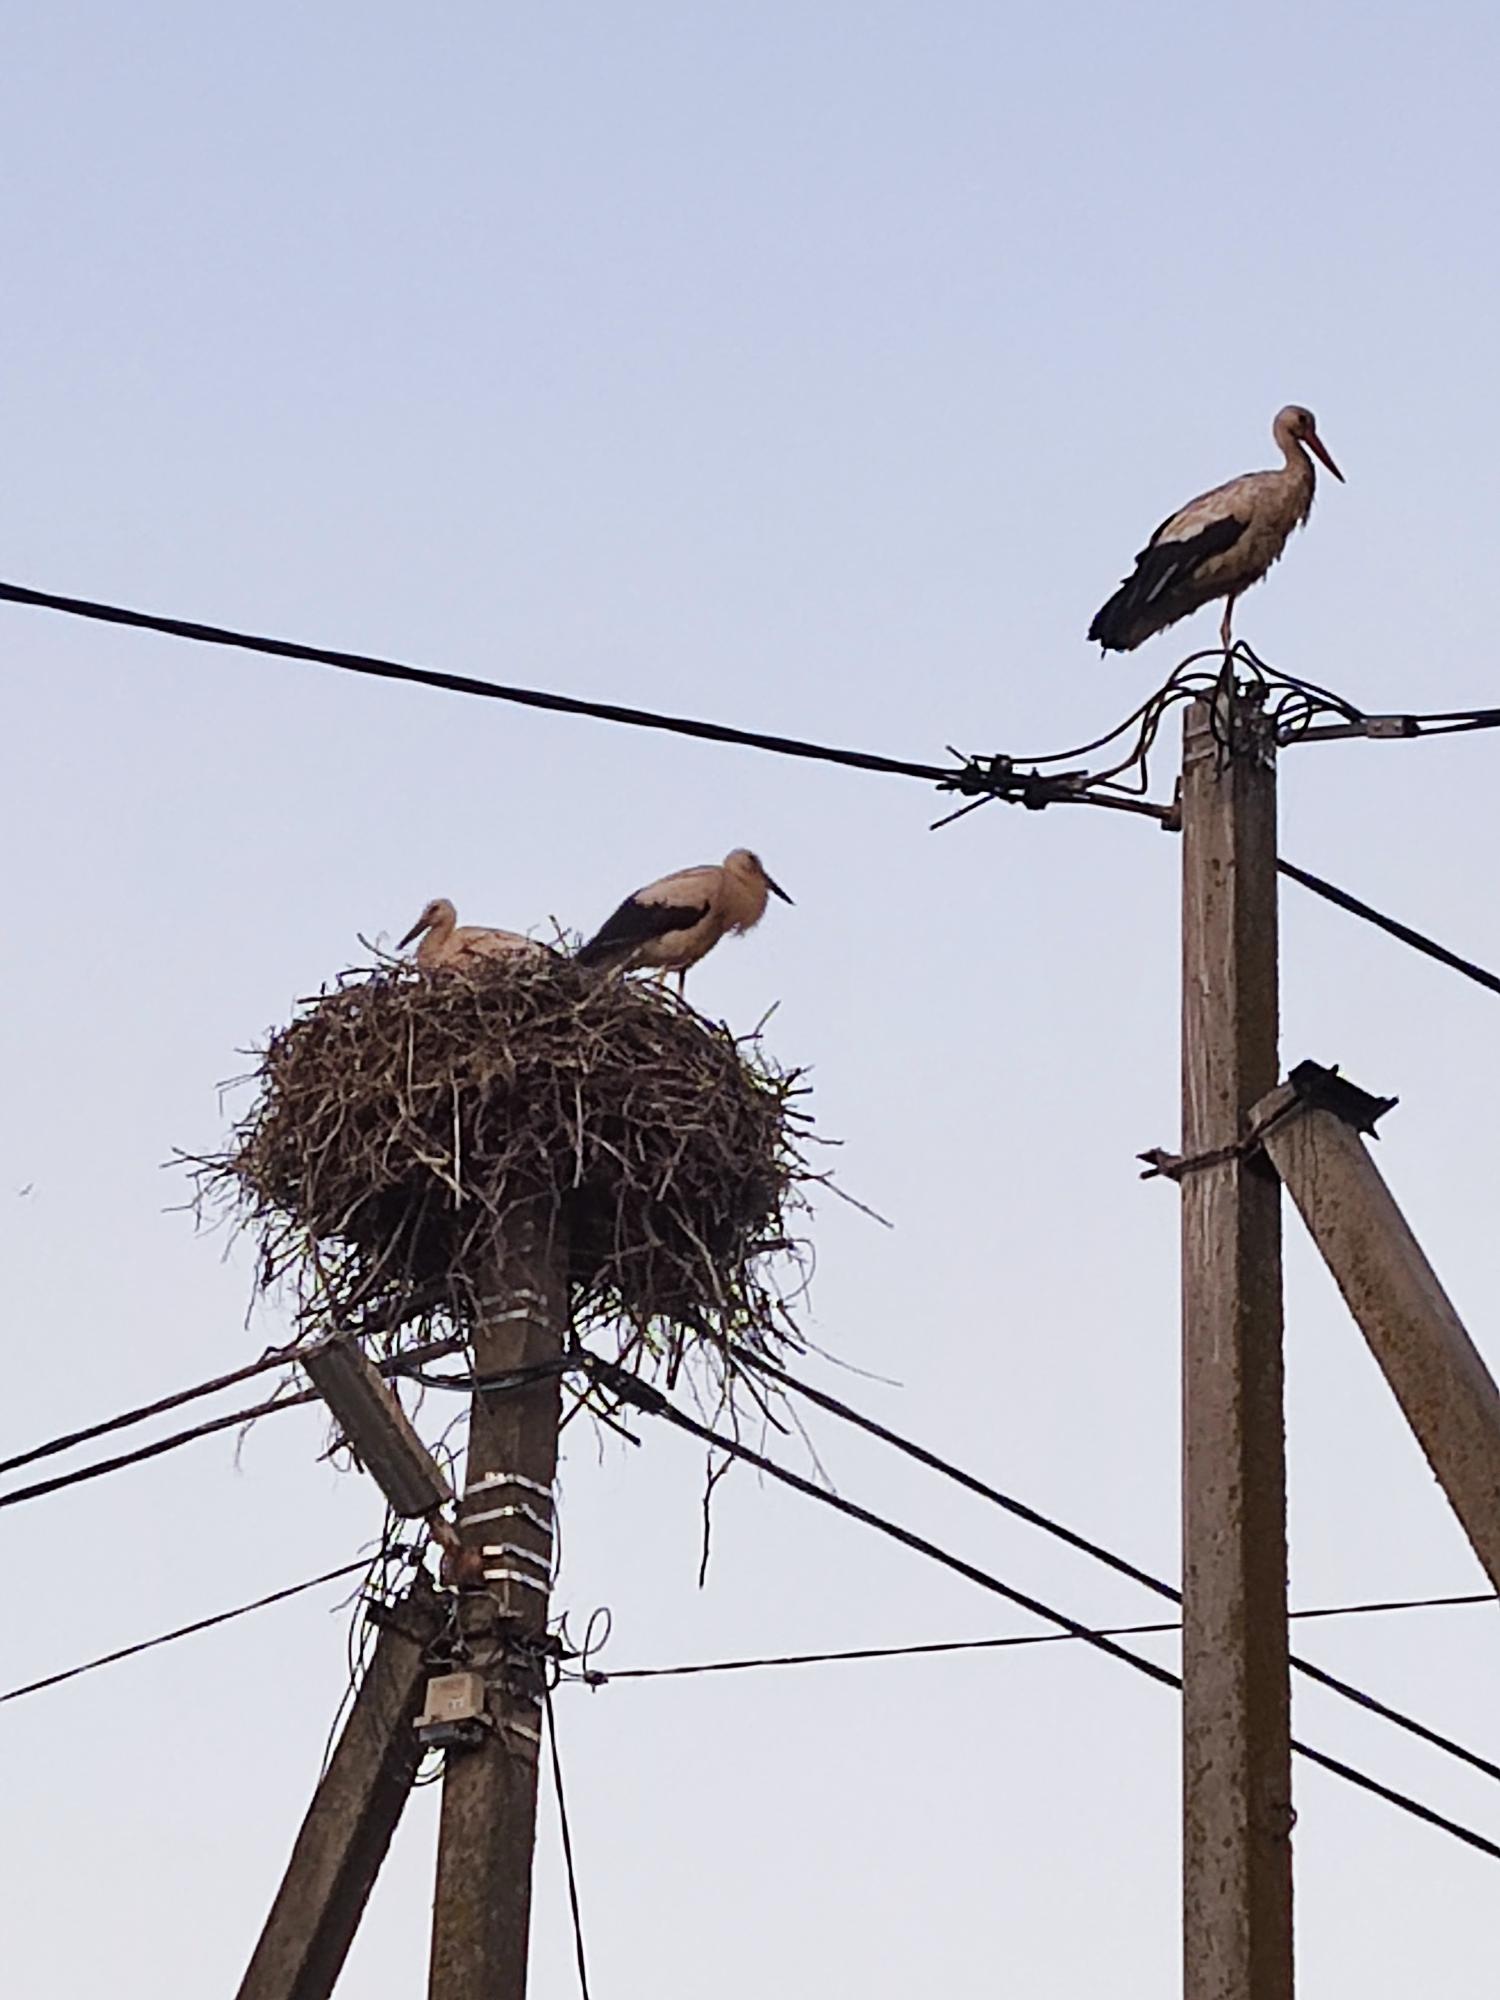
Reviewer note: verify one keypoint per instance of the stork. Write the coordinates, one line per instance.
(1218, 544)
(669, 925)
(449, 946)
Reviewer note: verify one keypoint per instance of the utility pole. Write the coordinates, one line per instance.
(354, 1813)
(482, 1910)
(1237, 1863)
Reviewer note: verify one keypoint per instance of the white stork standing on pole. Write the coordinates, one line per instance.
(1218, 544)
(449, 946)
(669, 925)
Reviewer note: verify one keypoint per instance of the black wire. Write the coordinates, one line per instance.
(183, 1631)
(395, 670)
(652, 1402)
(276, 1357)
(743, 1357)
(567, 1841)
(1402, 931)
(600, 1676)
(844, 1411)
(431, 1350)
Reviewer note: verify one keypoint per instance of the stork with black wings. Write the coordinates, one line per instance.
(1218, 544)
(669, 925)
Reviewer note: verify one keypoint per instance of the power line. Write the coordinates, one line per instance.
(647, 1398)
(847, 1414)
(409, 1363)
(275, 1357)
(604, 1676)
(567, 1840)
(396, 670)
(979, 778)
(1428, 946)
(184, 1631)
(431, 1351)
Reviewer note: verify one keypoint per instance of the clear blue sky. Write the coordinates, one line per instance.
(818, 369)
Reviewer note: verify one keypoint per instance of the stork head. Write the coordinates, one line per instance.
(742, 862)
(438, 911)
(1296, 425)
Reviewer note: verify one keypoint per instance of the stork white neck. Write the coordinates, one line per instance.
(1298, 458)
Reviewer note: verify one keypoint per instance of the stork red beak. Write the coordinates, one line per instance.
(777, 890)
(415, 932)
(1316, 445)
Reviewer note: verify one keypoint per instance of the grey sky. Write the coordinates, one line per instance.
(818, 369)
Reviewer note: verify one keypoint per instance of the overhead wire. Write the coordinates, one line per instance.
(567, 1840)
(649, 1400)
(606, 1676)
(846, 1413)
(184, 1631)
(983, 779)
(274, 1357)
(410, 1365)
(397, 670)
(1416, 939)
(59, 1482)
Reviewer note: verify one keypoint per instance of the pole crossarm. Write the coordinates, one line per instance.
(1311, 1132)
(380, 1433)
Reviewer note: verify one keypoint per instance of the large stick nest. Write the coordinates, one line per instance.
(400, 1117)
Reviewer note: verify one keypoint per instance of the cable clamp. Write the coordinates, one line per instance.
(517, 1510)
(514, 1549)
(491, 1479)
(508, 1726)
(518, 1576)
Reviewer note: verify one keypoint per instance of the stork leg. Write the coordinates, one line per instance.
(1228, 615)
(682, 984)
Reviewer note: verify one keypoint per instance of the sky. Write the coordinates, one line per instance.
(818, 370)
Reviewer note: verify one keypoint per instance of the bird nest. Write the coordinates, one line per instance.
(400, 1118)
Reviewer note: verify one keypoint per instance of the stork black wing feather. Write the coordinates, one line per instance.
(1143, 603)
(636, 923)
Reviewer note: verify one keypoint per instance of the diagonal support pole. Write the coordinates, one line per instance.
(353, 1815)
(1436, 1373)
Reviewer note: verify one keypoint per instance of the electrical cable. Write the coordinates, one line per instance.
(602, 1676)
(184, 1631)
(396, 670)
(1404, 932)
(567, 1840)
(745, 1357)
(275, 1357)
(432, 1351)
(648, 1399)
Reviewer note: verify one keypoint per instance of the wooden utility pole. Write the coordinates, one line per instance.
(353, 1815)
(1446, 1392)
(1237, 1863)
(481, 1915)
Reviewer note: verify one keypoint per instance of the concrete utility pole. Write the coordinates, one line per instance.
(1237, 1862)
(1446, 1392)
(354, 1813)
(481, 1916)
